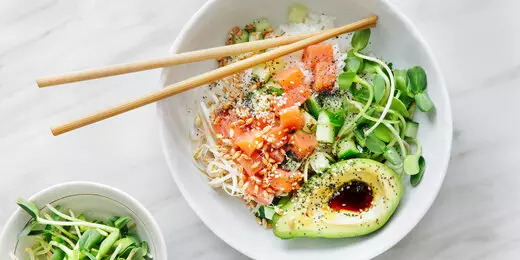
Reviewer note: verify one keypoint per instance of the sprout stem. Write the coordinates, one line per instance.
(392, 89)
(346, 127)
(399, 140)
(79, 223)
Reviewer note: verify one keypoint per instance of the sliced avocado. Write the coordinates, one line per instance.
(314, 212)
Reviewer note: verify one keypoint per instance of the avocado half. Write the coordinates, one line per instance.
(311, 214)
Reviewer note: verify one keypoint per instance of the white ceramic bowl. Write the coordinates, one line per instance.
(96, 200)
(395, 39)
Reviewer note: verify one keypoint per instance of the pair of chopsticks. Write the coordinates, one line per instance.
(288, 45)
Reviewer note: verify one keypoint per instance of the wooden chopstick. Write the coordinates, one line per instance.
(210, 76)
(182, 58)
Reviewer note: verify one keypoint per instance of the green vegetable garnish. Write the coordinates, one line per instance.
(417, 84)
(62, 236)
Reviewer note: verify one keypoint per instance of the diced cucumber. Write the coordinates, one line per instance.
(310, 123)
(297, 13)
(255, 36)
(319, 163)
(276, 65)
(261, 25)
(336, 120)
(360, 137)
(392, 155)
(261, 72)
(313, 107)
(241, 36)
(325, 130)
(347, 148)
(411, 129)
(383, 133)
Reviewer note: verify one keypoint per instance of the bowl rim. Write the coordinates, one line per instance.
(135, 206)
(447, 116)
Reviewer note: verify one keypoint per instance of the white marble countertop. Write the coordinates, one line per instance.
(475, 42)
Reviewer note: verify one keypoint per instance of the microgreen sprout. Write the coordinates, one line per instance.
(417, 84)
(59, 236)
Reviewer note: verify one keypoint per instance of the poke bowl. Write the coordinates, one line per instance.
(330, 157)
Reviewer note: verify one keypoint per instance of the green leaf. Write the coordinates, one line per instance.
(90, 239)
(400, 80)
(411, 164)
(399, 107)
(383, 133)
(59, 254)
(144, 248)
(345, 80)
(124, 243)
(374, 144)
(122, 221)
(407, 100)
(379, 87)
(112, 220)
(370, 67)
(416, 79)
(423, 101)
(29, 207)
(107, 243)
(360, 39)
(416, 179)
(353, 63)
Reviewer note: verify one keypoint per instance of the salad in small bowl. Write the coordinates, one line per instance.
(81, 220)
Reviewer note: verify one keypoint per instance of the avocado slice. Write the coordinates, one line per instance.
(355, 197)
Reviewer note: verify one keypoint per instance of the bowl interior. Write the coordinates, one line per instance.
(84, 198)
(394, 39)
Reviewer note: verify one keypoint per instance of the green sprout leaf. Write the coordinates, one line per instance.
(90, 239)
(416, 179)
(411, 164)
(374, 144)
(59, 254)
(346, 79)
(29, 207)
(416, 79)
(379, 87)
(383, 133)
(399, 107)
(360, 39)
(370, 67)
(122, 221)
(124, 244)
(400, 80)
(107, 243)
(423, 101)
(353, 63)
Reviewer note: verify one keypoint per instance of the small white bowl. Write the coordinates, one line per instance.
(395, 39)
(96, 200)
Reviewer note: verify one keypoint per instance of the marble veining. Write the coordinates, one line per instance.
(475, 43)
